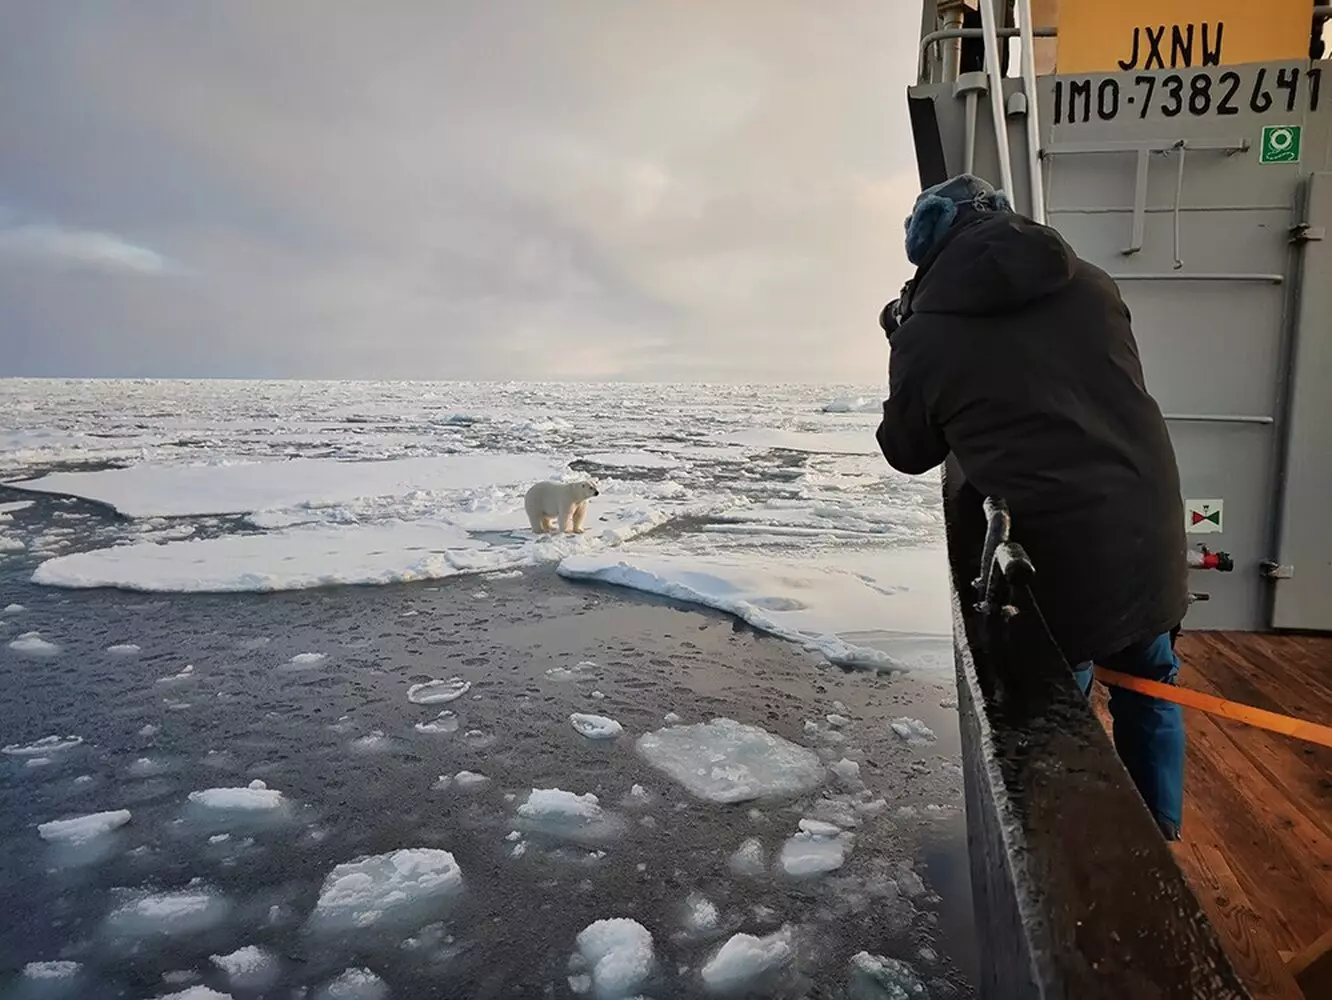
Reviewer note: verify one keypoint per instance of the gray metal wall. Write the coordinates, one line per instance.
(1219, 333)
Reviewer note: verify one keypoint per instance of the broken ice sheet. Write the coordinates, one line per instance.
(728, 761)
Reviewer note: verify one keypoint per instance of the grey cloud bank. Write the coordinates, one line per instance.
(580, 189)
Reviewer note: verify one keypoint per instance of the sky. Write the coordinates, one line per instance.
(642, 190)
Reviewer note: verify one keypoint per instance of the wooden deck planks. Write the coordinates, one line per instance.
(1257, 845)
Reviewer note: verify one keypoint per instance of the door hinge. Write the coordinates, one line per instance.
(1306, 233)
(1276, 571)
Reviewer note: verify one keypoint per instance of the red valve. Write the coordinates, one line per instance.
(1206, 559)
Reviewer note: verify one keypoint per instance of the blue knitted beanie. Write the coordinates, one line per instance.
(937, 207)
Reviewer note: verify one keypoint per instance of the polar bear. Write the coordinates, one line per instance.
(564, 504)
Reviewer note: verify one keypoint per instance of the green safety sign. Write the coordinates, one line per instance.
(1281, 144)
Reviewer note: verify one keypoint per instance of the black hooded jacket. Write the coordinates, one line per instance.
(1018, 357)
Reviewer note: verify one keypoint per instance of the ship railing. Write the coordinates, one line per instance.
(1076, 893)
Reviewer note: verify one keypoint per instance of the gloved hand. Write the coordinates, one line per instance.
(889, 318)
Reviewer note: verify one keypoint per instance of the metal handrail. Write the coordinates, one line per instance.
(948, 34)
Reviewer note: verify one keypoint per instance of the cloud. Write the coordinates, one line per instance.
(652, 190)
(56, 246)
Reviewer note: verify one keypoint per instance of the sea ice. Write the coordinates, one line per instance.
(748, 858)
(817, 848)
(822, 606)
(847, 770)
(465, 780)
(146, 767)
(596, 727)
(443, 724)
(13, 609)
(307, 659)
(186, 674)
(41, 748)
(912, 731)
(256, 797)
(438, 692)
(567, 815)
(249, 968)
(32, 644)
(123, 649)
(82, 829)
(404, 887)
(744, 963)
(616, 954)
(728, 761)
(354, 984)
(873, 977)
(700, 915)
(54, 971)
(170, 914)
(196, 993)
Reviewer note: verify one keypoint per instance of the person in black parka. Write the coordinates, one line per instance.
(1018, 357)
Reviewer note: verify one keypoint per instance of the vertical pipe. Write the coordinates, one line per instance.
(972, 104)
(988, 25)
(1027, 34)
(951, 17)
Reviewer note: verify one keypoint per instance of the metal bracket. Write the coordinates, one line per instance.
(1305, 233)
(1273, 570)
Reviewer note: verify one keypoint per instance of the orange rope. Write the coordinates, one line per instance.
(1284, 724)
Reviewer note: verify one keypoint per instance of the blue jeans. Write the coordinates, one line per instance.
(1148, 732)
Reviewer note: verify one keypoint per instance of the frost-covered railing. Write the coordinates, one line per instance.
(1076, 894)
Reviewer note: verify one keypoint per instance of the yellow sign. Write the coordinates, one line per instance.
(1126, 36)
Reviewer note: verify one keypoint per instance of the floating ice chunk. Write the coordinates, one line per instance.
(617, 954)
(196, 993)
(577, 672)
(670, 718)
(637, 797)
(748, 858)
(308, 659)
(745, 963)
(51, 970)
(598, 695)
(847, 770)
(13, 609)
(372, 742)
(596, 727)
(84, 779)
(469, 780)
(354, 984)
(873, 977)
(443, 724)
(837, 720)
(913, 731)
(150, 730)
(186, 673)
(170, 914)
(819, 847)
(438, 692)
(124, 649)
(255, 797)
(38, 762)
(728, 761)
(32, 644)
(700, 915)
(405, 887)
(82, 829)
(12, 544)
(249, 968)
(43, 747)
(567, 815)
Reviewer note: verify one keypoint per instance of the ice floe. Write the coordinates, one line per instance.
(403, 888)
(124, 649)
(307, 659)
(43, 747)
(438, 692)
(817, 848)
(874, 977)
(745, 963)
(912, 731)
(256, 797)
(78, 830)
(595, 727)
(728, 761)
(354, 984)
(32, 644)
(251, 968)
(13, 609)
(615, 955)
(181, 913)
(567, 816)
(749, 858)
(443, 724)
(827, 608)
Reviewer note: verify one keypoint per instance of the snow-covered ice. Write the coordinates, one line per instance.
(728, 761)
(81, 829)
(197, 992)
(354, 984)
(148, 490)
(464, 780)
(14, 506)
(123, 649)
(874, 977)
(307, 659)
(596, 727)
(444, 723)
(633, 459)
(438, 692)
(250, 968)
(749, 858)
(912, 731)
(401, 888)
(256, 797)
(32, 644)
(13, 609)
(745, 962)
(180, 913)
(700, 915)
(43, 747)
(817, 848)
(823, 606)
(567, 815)
(616, 955)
